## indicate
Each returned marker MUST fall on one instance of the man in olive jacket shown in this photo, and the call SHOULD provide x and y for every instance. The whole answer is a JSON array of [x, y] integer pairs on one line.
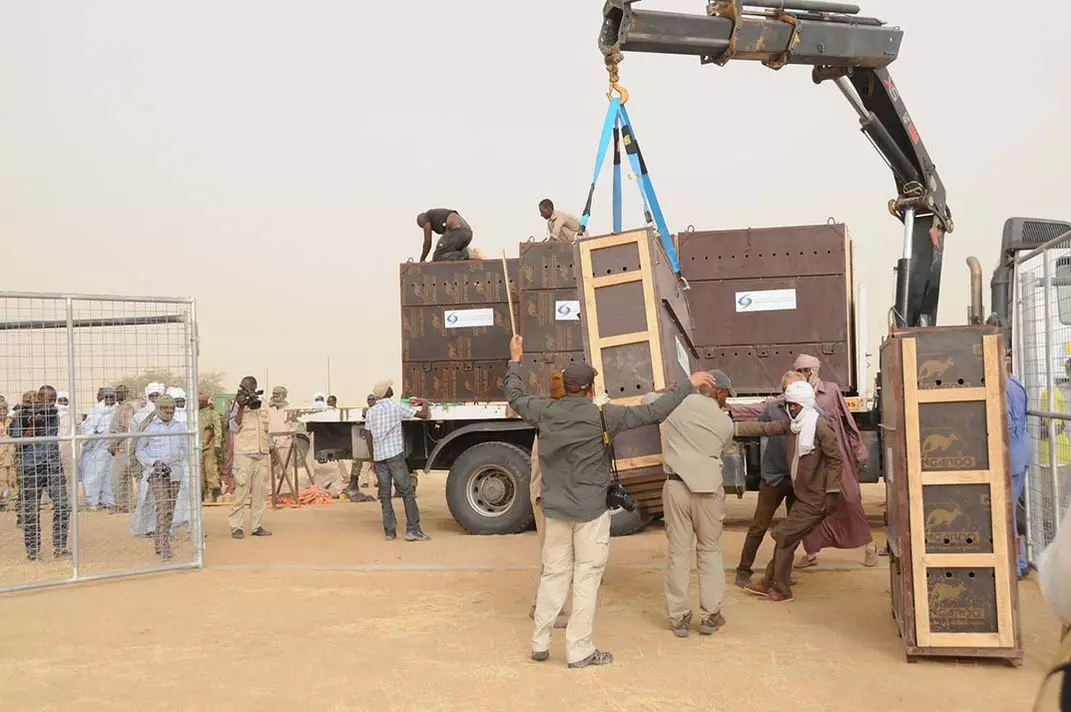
[[576, 476]]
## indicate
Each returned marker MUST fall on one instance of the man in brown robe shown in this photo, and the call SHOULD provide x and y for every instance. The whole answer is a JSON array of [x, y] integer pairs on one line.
[[848, 528], [816, 469]]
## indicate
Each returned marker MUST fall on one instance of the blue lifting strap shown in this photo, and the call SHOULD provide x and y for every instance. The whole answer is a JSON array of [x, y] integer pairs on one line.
[[617, 127]]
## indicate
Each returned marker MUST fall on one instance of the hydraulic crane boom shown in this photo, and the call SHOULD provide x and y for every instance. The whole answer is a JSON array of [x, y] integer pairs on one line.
[[850, 50]]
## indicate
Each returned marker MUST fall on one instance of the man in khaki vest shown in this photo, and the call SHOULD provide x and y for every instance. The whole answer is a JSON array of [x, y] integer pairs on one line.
[[251, 470], [694, 438]]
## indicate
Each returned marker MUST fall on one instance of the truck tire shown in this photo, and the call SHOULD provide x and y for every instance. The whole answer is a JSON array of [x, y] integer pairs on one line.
[[623, 522], [487, 489]]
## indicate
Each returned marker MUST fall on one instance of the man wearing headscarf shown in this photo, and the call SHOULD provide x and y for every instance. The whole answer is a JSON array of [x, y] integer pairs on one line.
[[96, 459], [319, 401], [816, 467], [281, 428], [162, 453], [535, 492], [181, 508], [9, 478], [848, 528], [66, 428], [775, 484], [144, 520], [211, 443], [124, 471]]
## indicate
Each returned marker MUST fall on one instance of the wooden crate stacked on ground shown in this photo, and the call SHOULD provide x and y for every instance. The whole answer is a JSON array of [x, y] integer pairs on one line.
[[637, 330], [456, 329], [951, 525], [550, 317], [762, 296]]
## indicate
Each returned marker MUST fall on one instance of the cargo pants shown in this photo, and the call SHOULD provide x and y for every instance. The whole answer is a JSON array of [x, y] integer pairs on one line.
[[451, 246], [251, 484], [209, 471], [573, 553], [693, 517], [535, 490]]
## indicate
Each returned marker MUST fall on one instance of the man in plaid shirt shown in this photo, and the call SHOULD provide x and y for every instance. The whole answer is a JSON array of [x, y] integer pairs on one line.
[[383, 433]]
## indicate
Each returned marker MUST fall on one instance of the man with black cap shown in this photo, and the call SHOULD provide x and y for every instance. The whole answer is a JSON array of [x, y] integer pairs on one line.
[[576, 476], [694, 438]]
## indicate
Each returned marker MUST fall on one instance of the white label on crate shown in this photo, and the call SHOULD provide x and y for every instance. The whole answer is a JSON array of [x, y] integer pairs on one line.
[[682, 357], [766, 300], [462, 318], [567, 311]]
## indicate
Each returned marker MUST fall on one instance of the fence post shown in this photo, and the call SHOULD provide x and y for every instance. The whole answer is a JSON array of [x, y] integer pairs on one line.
[[72, 398]]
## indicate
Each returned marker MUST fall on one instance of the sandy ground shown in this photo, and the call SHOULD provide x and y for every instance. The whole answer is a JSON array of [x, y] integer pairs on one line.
[[326, 615]]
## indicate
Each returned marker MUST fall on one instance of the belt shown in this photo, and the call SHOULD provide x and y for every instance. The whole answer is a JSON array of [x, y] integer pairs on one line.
[[675, 478]]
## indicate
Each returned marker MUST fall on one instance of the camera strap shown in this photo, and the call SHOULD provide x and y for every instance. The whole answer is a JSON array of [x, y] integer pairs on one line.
[[608, 443]]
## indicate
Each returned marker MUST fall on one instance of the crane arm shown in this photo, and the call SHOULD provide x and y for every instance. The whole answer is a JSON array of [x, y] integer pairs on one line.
[[853, 52]]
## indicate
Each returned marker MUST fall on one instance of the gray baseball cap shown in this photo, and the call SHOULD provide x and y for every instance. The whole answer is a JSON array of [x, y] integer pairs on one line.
[[722, 380]]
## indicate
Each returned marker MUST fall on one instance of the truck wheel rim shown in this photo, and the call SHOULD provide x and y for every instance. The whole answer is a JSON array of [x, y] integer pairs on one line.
[[491, 491]]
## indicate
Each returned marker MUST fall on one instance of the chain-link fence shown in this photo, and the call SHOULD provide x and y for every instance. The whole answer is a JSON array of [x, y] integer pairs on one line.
[[1041, 334], [91, 468]]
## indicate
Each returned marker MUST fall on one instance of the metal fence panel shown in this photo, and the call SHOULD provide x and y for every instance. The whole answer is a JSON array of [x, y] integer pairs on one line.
[[78, 497], [1041, 332]]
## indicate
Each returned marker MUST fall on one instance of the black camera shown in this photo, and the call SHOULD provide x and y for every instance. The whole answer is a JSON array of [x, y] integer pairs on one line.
[[618, 497], [252, 398]]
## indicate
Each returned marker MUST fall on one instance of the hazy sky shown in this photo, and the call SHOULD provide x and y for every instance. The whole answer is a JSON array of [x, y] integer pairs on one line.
[[268, 158]]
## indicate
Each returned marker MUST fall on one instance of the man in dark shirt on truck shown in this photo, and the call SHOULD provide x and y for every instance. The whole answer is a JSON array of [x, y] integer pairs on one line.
[[576, 475], [455, 235]]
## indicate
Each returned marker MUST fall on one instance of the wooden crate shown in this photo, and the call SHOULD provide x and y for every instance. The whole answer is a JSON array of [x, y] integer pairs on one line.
[[951, 528], [637, 333]]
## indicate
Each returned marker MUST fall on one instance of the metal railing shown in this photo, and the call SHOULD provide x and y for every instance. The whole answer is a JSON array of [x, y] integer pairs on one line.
[[67, 466]]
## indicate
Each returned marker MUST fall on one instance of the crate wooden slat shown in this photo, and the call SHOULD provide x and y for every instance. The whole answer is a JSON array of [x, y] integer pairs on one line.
[[637, 333], [951, 531]]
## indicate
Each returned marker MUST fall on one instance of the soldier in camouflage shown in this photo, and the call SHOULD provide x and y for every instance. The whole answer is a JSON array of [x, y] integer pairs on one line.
[[211, 445]]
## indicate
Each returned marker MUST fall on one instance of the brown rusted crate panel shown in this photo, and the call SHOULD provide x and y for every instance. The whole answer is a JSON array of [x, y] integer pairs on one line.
[[950, 359], [638, 443], [626, 371], [427, 333], [550, 320], [547, 265], [450, 283], [953, 436], [448, 381], [784, 309], [538, 368], [759, 369], [962, 600], [615, 260], [765, 252], [959, 519]]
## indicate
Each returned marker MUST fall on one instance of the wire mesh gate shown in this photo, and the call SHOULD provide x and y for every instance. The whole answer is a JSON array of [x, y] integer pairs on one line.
[[79, 435], [1041, 333]]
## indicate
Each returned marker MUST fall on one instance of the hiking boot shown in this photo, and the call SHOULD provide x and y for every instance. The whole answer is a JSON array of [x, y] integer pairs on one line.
[[216, 493], [390, 536], [237, 534], [417, 536], [596, 658], [682, 625], [541, 656], [710, 624], [757, 587], [742, 579], [61, 553], [261, 531]]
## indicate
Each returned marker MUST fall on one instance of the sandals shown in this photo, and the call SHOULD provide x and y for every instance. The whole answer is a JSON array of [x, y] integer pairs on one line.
[[806, 561]]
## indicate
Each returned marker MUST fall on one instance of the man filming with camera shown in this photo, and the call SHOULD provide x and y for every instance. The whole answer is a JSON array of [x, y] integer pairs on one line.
[[250, 477], [576, 456]]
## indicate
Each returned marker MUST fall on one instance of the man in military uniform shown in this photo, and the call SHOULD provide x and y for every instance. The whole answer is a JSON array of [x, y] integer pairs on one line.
[[455, 235], [211, 442]]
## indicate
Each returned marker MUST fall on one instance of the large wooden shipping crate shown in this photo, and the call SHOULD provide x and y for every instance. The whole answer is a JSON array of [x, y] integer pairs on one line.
[[637, 333], [456, 328], [762, 296], [951, 526], [550, 316]]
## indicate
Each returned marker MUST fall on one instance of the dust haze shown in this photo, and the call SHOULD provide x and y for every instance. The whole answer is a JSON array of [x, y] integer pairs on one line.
[[269, 158]]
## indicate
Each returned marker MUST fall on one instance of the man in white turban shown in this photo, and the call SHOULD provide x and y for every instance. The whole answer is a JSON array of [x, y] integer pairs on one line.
[[96, 458], [849, 528], [816, 467]]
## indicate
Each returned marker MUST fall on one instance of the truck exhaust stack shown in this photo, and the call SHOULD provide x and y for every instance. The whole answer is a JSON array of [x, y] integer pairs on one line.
[[976, 315]]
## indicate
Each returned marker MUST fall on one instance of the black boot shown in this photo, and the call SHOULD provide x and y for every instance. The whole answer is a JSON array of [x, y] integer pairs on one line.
[[216, 493]]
